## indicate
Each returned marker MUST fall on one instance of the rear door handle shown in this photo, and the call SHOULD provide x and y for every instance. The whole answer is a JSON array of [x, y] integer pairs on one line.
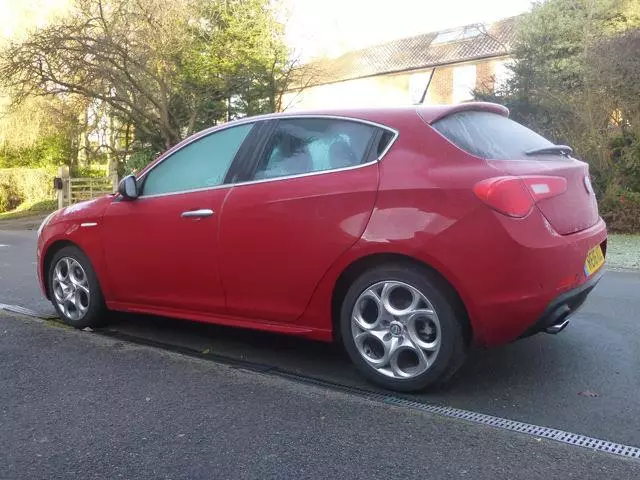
[[203, 212]]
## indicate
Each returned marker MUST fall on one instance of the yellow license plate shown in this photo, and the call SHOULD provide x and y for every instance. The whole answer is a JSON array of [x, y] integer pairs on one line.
[[595, 259]]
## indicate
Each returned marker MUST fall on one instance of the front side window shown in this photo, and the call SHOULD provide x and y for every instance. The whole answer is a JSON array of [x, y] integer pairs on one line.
[[305, 145], [203, 163]]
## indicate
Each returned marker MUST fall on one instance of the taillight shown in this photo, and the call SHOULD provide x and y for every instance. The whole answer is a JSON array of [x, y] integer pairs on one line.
[[516, 196]]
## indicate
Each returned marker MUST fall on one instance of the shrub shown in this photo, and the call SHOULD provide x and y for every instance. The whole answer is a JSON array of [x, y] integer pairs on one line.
[[138, 160], [621, 210], [94, 171], [25, 185], [9, 198]]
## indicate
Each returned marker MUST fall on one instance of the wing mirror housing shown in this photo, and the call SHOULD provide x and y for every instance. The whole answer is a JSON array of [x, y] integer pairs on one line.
[[128, 187]]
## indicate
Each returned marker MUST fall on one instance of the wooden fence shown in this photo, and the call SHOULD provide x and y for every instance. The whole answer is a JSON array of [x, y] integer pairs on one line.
[[81, 189], [77, 189]]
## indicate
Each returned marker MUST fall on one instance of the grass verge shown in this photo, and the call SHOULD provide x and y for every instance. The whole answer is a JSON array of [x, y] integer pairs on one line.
[[28, 210], [623, 251]]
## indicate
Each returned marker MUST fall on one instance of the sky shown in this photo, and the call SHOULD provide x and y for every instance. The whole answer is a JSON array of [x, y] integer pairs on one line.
[[16, 15], [324, 27], [332, 27]]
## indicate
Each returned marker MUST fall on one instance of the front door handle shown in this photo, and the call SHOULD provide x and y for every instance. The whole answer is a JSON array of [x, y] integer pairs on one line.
[[203, 212]]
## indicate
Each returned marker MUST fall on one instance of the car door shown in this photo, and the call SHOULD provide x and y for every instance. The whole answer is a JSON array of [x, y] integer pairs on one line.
[[161, 248], [308, 199]]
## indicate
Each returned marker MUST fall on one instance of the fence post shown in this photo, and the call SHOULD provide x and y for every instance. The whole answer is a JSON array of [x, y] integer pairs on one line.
[[65, 192], [114, 180]]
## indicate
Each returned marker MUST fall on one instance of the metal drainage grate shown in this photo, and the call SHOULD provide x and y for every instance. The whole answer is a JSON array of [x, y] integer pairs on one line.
[[521, 427], [481, 418]]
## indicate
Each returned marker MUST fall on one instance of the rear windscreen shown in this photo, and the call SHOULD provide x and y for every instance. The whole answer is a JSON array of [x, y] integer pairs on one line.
[[490, 135]]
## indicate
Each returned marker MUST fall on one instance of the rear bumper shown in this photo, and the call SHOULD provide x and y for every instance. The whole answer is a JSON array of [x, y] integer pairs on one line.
[[562, 307], [514, 269]]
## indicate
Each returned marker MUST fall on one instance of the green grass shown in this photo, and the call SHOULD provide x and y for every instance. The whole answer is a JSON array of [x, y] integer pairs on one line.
[[623, 251], [30, 210]]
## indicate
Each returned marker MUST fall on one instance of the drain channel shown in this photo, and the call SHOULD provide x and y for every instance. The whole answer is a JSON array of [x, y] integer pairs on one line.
[[480, 418]]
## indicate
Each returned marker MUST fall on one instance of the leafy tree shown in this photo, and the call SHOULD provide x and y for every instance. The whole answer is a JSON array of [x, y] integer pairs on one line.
[[39, 132], [162, 70], [564, 84]]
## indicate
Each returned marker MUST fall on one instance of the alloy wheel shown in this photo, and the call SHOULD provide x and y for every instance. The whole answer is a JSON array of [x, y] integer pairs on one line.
[[71, 288], [396, 329]]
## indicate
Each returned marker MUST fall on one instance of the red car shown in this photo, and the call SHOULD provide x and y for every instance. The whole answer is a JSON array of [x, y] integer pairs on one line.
[[406, 233]]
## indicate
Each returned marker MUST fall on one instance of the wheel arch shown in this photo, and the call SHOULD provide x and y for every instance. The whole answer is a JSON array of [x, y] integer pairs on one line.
[[362, 264]]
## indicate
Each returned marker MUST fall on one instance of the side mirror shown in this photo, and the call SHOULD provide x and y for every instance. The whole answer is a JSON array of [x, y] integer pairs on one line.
[[128, 187]]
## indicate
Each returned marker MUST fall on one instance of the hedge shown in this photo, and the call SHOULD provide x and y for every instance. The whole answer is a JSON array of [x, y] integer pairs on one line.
[[621, 210], [25, 185]]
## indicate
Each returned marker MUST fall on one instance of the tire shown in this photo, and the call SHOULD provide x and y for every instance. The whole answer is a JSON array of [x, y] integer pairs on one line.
[[398, 289], [75, 293]]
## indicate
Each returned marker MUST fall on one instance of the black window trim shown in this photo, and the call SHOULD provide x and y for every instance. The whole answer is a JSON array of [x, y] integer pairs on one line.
[[368, 155], [261, 134]]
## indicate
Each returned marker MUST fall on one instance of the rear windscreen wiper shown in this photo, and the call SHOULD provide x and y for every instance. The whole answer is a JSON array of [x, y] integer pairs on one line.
[[561, 149]]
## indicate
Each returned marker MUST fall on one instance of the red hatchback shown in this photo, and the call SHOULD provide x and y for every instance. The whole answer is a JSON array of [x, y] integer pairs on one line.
[[407, 233]]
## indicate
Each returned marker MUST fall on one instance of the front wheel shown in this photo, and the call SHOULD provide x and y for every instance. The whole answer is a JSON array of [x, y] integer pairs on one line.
[[401, 329], [74, 289]]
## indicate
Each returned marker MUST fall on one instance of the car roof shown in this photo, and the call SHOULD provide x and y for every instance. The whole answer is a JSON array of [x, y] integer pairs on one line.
[[429, 113], [384, 116]]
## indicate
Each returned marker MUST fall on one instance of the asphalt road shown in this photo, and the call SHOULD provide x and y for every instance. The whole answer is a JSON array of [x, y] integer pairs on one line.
[[80, 406], [585, 380]]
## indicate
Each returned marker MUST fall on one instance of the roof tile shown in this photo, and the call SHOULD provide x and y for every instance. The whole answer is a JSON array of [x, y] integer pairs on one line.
[[416, 52]]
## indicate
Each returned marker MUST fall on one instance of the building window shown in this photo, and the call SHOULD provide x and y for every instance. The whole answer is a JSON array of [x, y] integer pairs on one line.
[[464, 82], [457, 34], [502, 74], [418, 83]]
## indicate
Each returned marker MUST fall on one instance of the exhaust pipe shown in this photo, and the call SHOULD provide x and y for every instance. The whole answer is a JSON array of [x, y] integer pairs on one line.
[[561, 320], [558, 327]]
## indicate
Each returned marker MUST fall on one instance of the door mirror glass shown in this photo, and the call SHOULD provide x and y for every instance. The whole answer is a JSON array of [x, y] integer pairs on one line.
[[128, 187]]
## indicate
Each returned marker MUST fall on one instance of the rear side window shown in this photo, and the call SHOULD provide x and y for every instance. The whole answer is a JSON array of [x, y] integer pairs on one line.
[[305, 145], [490, 135]]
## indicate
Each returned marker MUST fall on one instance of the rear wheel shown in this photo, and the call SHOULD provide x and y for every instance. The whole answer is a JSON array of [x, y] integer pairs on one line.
[[401, 329], [74, 288]]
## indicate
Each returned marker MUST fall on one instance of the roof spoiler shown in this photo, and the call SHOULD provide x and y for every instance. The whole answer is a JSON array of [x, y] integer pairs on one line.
[[431, 114]]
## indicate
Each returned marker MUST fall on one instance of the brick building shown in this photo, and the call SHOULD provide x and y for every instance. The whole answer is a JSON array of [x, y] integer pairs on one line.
[[433, 68]]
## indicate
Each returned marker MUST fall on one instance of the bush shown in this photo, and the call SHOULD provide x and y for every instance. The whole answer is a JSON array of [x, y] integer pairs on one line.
[[621, 210], [138, 160], [25, 185], [9, 198], [94, 171]]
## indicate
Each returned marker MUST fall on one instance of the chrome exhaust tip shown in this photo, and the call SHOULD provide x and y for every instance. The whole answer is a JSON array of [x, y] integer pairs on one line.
[[558, 327]]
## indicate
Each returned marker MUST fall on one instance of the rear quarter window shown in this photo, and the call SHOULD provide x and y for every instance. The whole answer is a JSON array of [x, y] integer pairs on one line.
[[490, 136]]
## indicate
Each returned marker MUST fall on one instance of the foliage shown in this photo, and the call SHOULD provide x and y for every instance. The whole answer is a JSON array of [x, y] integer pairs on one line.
[[29, 210], [49, 150], [161, 69], [138, 160], [38, 132], [621, 209], [25, 185], [93, 171], [9, 198], [576, 80]]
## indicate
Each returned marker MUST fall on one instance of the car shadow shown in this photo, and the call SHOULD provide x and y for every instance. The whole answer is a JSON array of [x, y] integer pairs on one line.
[[488, 372]]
